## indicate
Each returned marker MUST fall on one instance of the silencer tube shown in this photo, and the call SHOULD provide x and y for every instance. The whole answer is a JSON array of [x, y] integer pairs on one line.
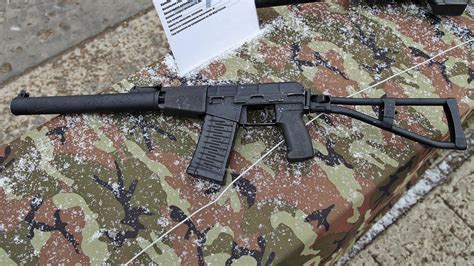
[[105, 103]]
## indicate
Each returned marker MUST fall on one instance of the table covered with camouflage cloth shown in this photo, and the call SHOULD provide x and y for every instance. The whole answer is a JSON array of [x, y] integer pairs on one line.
[[95, 188]]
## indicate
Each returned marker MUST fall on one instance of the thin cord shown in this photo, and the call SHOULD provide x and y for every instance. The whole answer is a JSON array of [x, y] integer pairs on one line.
[[411, 68], [208, 204], [278, 145]]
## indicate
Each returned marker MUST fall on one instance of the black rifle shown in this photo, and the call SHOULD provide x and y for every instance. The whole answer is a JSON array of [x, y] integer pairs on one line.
[[225, 107], [439, 7]]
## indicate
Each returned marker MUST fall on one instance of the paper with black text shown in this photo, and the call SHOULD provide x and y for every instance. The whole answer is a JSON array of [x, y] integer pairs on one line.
[[199, 30]]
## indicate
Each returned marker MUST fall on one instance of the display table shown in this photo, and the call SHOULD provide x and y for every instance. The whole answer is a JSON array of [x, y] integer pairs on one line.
[[100, 188]]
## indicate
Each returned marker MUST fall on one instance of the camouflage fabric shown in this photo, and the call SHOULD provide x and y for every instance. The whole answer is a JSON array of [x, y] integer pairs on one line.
[[99, 188]]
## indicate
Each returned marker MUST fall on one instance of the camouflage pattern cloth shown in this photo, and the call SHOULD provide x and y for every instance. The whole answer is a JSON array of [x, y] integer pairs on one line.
[[90, 189]]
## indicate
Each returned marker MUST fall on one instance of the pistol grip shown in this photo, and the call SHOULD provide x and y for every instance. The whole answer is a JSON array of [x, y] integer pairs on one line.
[[213, 149], [298, 142]]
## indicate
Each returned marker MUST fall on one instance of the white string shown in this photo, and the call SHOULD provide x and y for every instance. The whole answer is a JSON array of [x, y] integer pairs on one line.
[[278, 145], [208, 204], [411, 68]]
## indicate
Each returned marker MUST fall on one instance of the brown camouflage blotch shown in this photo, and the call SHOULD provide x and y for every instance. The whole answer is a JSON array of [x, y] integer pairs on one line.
[[75, 219], [4, 151], [395, 141], [266, 80], [13, 211], [305, 54], [214, 71], [60, 121], [319, 11], [327, 80], [57, 250], [344, 3], [192, 126], [276, 57], [80, 139], [316, 132], [462, 21], [393, 89], [185, 249], [167, 78], [45, 213], [144, 74], [335, 59], [51, 254]]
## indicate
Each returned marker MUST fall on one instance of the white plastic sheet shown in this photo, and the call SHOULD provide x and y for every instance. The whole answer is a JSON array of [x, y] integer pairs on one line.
[[199, 30]]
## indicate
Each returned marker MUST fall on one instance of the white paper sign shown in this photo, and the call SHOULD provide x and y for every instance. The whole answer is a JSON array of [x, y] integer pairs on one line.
[[199, 30]]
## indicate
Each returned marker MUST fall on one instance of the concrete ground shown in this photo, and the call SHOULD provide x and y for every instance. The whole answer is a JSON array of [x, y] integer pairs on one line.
[[33, 31], [86, 68], [437, 230]]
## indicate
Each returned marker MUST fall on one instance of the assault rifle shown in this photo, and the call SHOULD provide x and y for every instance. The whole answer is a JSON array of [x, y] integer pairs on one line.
[[225, 107], [439, 7]]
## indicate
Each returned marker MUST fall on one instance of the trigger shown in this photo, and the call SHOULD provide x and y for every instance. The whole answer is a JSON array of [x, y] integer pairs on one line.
[[265, 115]]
